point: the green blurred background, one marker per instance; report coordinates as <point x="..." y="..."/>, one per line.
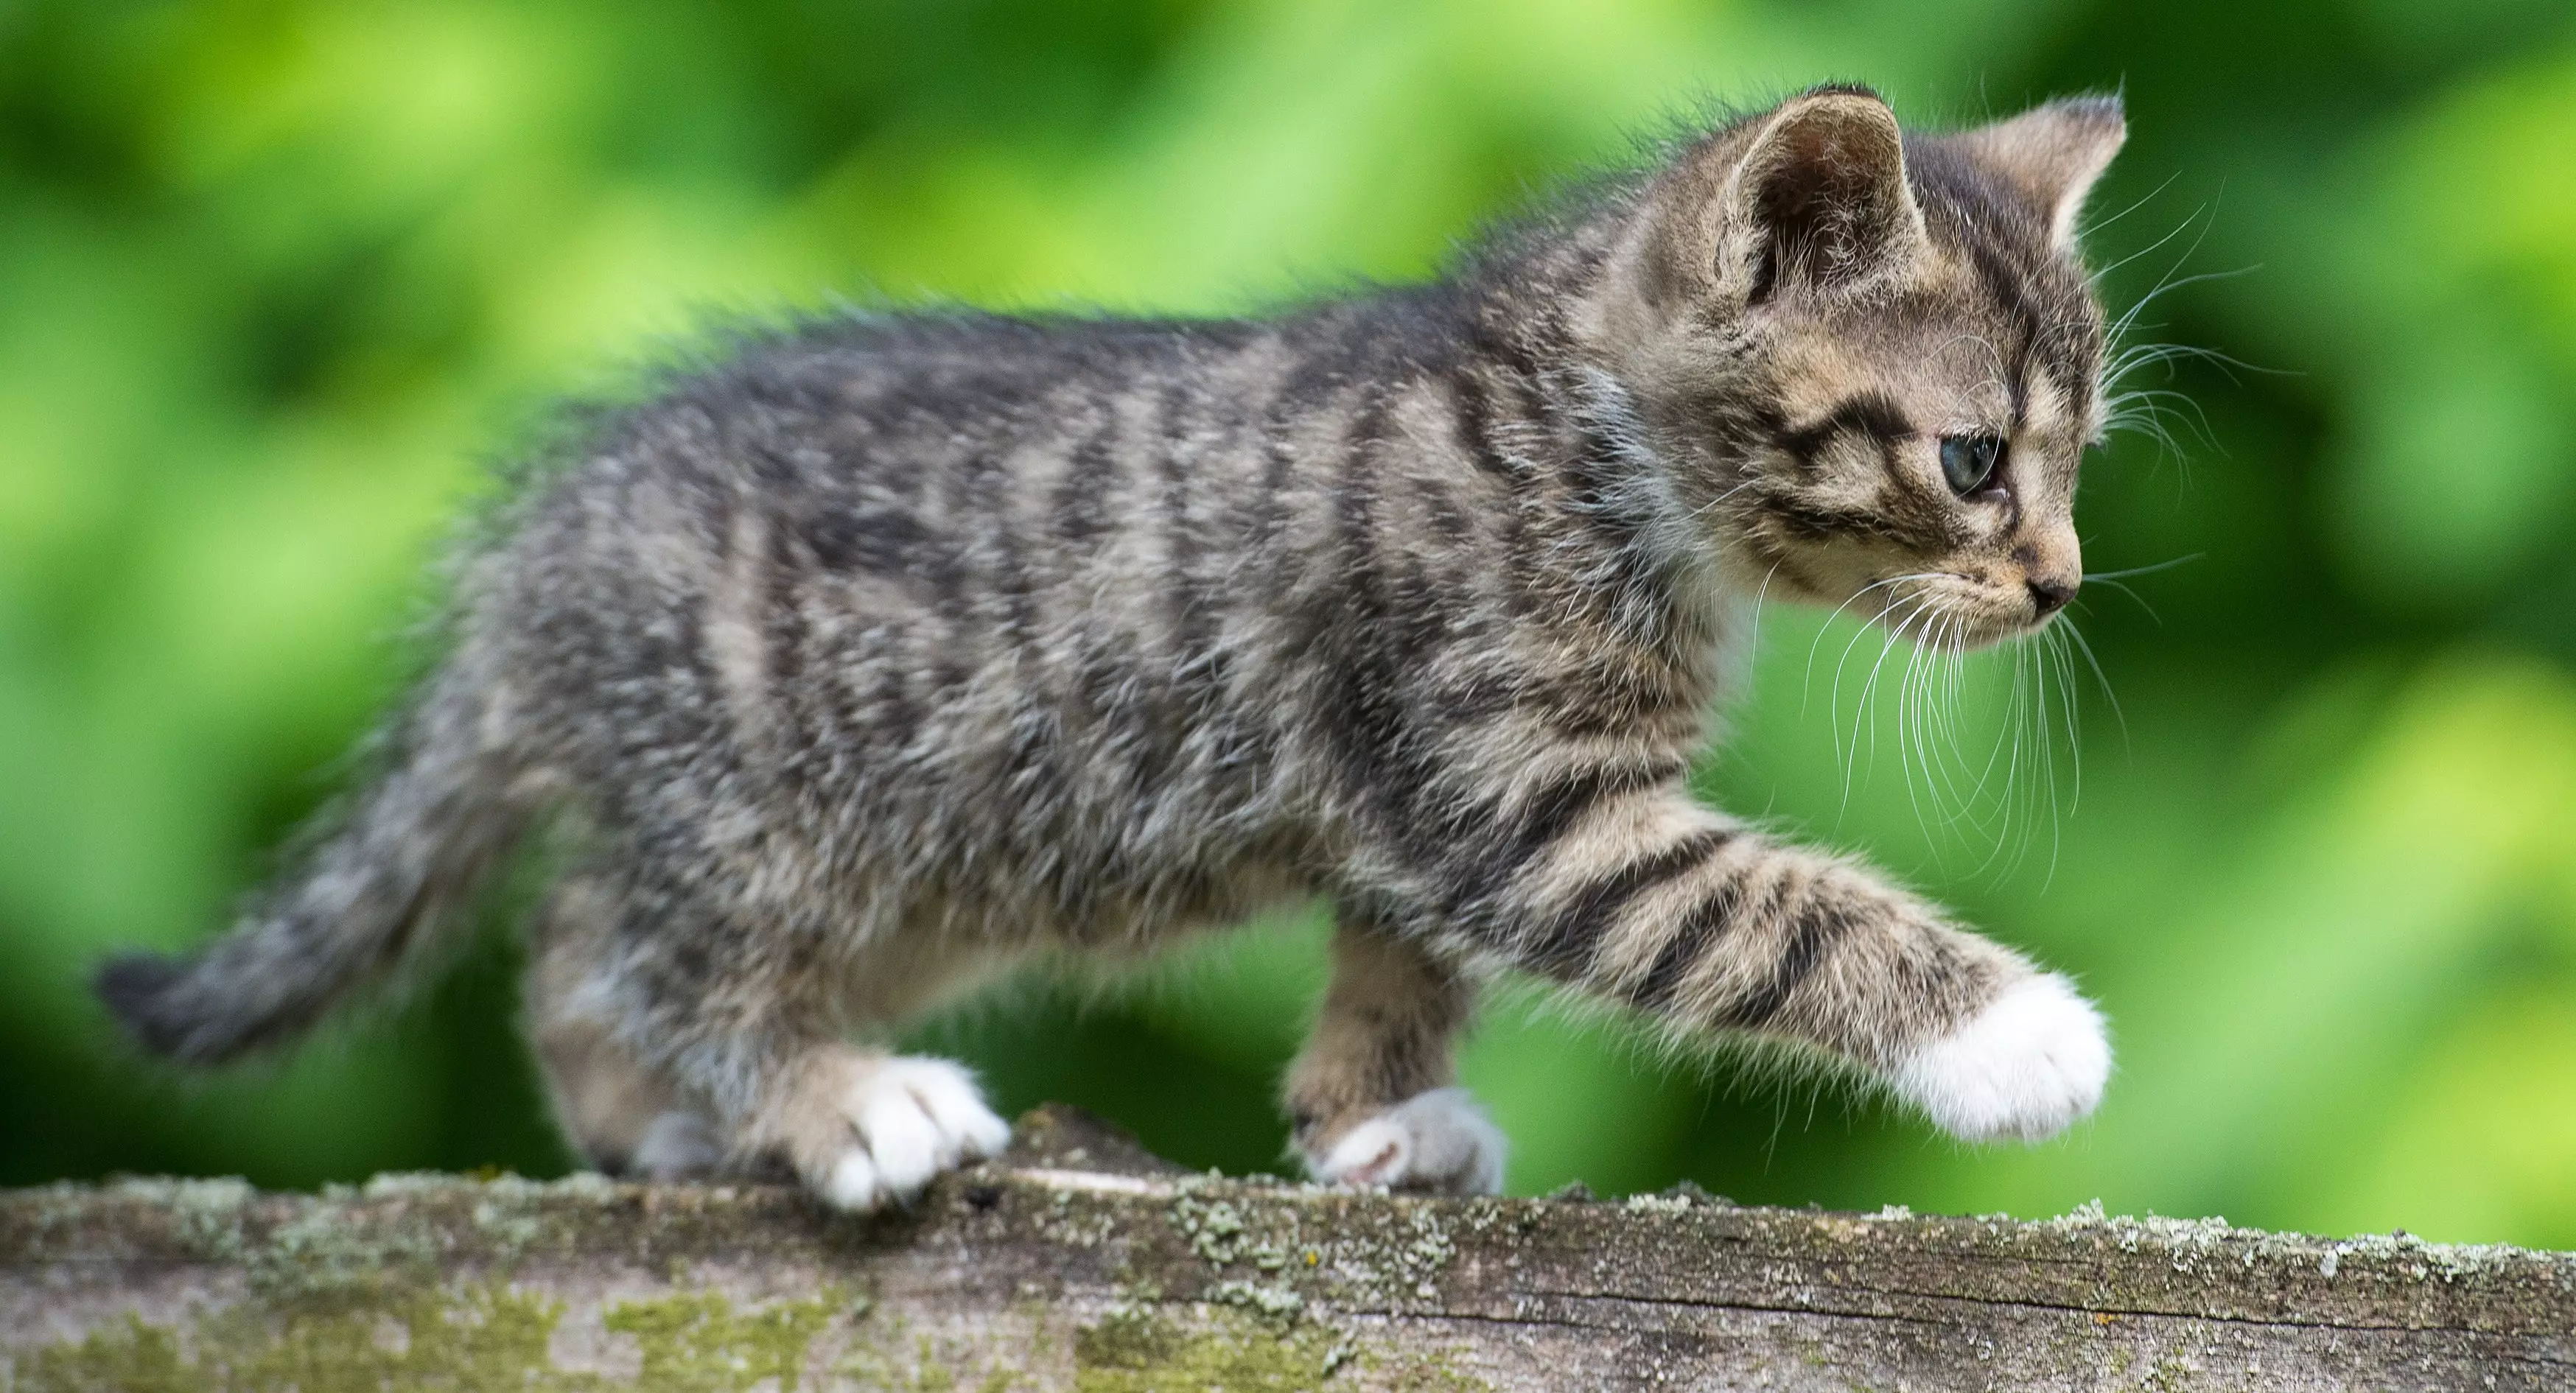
<point x="277" y="279"/>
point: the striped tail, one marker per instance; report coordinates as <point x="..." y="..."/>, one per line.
<point x="374" y="891"/>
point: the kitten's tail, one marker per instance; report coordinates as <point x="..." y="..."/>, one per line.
<point x="370" y="893"/>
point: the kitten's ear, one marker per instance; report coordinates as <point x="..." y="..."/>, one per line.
<point x="1819" y="198"/>
<point x="2053" y="153"/>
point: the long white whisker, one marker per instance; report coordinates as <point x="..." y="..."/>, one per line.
<point x="1861" y="713"/>
<point x="2048" y="752"/>
<point x="2092" y="227"/>
<point x="1866" y="711"/>
<point x="1753" y="639"/>
<point x="1936" y="733"/>
<point x="2081" y="646"/>
<point x="2161" y="243"/>
<point x="1807" y="682"/>
<point x="2091" y="576"/>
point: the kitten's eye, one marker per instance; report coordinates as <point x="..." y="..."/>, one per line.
<point x="1968" y="461"/>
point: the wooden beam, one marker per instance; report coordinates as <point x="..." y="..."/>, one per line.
<point x="1079" y="1262"/>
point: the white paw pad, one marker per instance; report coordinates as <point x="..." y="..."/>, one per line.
<point x="1440" y="1140"/>
<point x="915" y="1118"/>
<point x="2032" y="1061"/>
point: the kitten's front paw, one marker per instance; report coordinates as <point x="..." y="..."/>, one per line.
<point x="913" y="1118"/>
<point x="1440" y="1140"/>
<point x="2032" y="1061"/>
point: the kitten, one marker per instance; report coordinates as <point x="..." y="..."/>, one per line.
<point x="897" y="648"/>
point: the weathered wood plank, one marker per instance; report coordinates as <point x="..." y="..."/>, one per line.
<point x="1080" y="1263"/>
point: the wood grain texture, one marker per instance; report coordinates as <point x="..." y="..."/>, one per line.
<point x="1078" y="1262"/>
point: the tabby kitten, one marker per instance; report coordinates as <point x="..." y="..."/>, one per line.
<point x="897" y="648"/>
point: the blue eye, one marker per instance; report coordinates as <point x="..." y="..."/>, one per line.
<point x="1968" y="461"/>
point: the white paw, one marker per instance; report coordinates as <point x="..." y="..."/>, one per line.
<point x="677" y="1145"/>
<point x="2030" y="1063"/>
<point x="915" y="1117"/>
<point x="1440" y="1140"/>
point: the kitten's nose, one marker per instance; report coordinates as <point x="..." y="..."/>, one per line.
<point x="2049" y="594"/>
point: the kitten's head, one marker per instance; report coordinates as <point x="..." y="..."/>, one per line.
<point x="1869" y="360"/>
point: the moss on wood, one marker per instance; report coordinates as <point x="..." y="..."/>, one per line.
<point x="1079" y="1263"/>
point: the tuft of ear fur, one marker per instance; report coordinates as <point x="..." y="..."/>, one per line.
<point x="2052" y="154"/>
<point x="1819" y="199"/>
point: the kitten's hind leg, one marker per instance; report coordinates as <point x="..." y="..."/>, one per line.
<point x="622" y="1117"/>
<point x="736" y="1024"/>
<point x="1371" y="1094"/>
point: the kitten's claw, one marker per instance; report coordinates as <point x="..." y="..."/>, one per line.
<point x="1440" y="1140"/>
<point x="2033" y="1061"/>
<point x="915" y="1117"/>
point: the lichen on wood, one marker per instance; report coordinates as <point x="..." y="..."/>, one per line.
<point x="1079" y="1262"/>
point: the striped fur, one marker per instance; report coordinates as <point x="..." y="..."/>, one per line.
<point x="893" y="649"/>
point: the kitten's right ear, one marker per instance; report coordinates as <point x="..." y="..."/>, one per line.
<point x="2053" y="153"/>
<point x="1818" y="199"/>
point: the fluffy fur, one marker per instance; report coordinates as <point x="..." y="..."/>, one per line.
<point x="894" y="649"/>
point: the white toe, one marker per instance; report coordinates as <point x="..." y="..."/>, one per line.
<point x="2033" y="1061"/>
<point x="968" y="1130"/>
<point x="915" y="1119"/>
<point x="854" y="1182"/>
<point x="1437" y="1140"/>
<point x="902" y="1140"/>
<point x="1376" y="1152"/>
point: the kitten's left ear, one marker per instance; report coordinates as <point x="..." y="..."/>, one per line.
<point x="1819" y="198"/>
<point x="2053" y="153"/>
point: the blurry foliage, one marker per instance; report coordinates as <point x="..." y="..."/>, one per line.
<point x="275" y="277"/>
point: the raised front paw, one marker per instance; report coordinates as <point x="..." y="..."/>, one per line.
<point x="2033" y="1061"/>
<point x="1440" y="1140"/>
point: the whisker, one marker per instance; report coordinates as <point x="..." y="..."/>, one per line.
<point x="1937" y="734"/>
<point x="1753" y="639"/>
<point x="1936" y="707"/>
<point x="2141" y="600"/>
<point x="2092" y="227"/>
<point x="2102" y="677"/>
<point x="2160" y="243"/>
<point x="2049" y="651"/>
<point x="2008" y="739"/>
<point x="2145" y="570"/>
<point x="1861" y="713"/>
<point x="1914" y="652"/>
<point x="2167" y="287"/>
<point x="2058" y="647"/>
<point x="1807" y="682"/>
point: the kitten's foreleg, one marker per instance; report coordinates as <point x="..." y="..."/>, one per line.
<point x="1650" y="900"/>
<point x="1371" y="1093"/>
